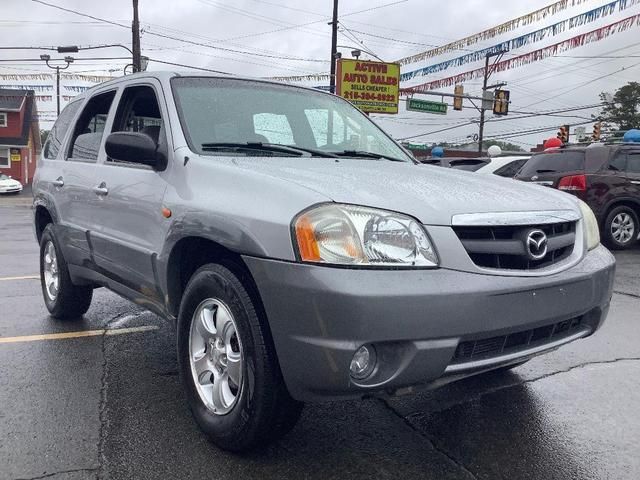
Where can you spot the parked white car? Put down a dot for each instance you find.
(504, 166)
(9, 185)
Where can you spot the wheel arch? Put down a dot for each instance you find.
(190, 253)
(630, 202)
(43, 215)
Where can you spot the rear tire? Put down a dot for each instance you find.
(621, 228)
(239, 407)
(62, 298)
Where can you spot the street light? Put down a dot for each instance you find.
(144, 63)
(68, 60)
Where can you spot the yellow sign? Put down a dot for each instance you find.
(15, 155)
(373, 87)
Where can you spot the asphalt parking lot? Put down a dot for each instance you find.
(100, 397)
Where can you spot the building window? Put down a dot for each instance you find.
(5, 161)
(3, 119)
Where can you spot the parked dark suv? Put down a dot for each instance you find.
(605, 176)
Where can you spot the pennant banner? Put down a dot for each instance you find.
(315, 77)
(36, 88)
(531, 57)
(490, 33)
(523, 40)
(51, 77)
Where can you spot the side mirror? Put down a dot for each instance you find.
(132, 147)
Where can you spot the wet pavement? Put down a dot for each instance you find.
(111, 406)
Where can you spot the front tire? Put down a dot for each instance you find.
(228, 364)
(621, 228)
(62, 298)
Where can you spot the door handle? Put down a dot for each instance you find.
(58, 182)
(635, 182)
(101, 189)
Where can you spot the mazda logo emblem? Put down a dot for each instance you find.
(536, 244)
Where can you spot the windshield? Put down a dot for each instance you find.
(223, 111)
(568, 161)
(4, 177)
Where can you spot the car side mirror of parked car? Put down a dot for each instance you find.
(133, 147)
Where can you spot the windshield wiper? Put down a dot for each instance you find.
(363, 154)
(207, 147)
(546, 170)
(269, 147)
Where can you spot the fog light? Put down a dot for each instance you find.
(363, 362)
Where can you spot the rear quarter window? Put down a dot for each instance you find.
(59, 130)
(566, 161)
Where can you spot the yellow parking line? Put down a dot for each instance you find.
(24, 277)
(85, 333)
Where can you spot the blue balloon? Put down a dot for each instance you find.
(437, 152)
(632, 135)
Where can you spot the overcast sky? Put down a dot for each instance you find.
(270, 29)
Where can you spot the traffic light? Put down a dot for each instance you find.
(501, 102)
(563, 133)
(596, 131)
(458, 91)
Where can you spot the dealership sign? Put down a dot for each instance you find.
(373, 87)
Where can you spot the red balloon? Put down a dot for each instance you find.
(553, 142)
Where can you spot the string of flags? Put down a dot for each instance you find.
(523, 40)
(531, 57)
(508, 26)
(51, 77)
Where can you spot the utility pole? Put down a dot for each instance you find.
(485, 88)
(135, 43)
(334, 47)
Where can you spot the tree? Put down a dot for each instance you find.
(624, 110)
(506, 146)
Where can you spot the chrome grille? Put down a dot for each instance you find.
(505, 247)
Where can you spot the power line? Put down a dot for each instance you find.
(529, 115)
(170, 37)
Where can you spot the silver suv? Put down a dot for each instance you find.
(303, 254)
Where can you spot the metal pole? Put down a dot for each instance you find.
(334, 47)
(58, 89)
(484, 89)
(135, 43)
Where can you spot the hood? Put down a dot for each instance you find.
(9, 182)
(429, 193)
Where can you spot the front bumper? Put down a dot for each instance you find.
(15, 189)
(416, 319)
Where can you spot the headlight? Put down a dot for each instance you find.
(352, 235)
(591, 229)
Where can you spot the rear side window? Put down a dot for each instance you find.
(618, 163)
(510, 169)
(59, 130)
(567, 161)
(87, 134)
(633, 163)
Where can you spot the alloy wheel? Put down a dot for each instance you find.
(623, 228)
(51, 271)
(215, 355)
